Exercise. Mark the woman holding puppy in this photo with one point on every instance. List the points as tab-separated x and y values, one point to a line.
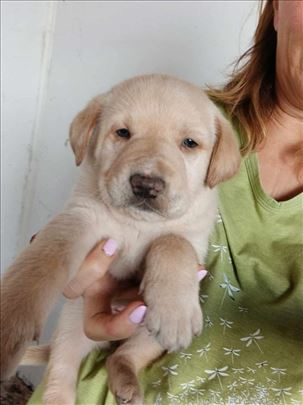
250	350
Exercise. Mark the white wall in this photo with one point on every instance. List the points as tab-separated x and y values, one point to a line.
57	55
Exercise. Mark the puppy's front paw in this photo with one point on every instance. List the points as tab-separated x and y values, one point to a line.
173	322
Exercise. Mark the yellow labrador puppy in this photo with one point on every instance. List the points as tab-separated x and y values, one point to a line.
151	150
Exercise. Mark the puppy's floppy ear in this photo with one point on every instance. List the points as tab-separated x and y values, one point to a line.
83	126
226	158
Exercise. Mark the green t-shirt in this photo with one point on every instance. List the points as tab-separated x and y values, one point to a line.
251	349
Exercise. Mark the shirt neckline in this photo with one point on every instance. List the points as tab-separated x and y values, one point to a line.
251	163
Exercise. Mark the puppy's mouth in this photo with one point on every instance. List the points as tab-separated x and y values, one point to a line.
145	204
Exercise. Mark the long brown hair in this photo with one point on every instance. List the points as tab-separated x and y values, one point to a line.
249	96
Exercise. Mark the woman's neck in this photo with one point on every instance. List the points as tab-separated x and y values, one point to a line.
289	103
287	121
281	154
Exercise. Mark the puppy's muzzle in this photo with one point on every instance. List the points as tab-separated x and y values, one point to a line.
146	186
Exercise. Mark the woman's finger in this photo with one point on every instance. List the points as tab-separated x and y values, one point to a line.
108	326
100	321
202	272
93	268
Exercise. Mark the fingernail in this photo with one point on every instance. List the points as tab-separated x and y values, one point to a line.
202	274
138	314
110	247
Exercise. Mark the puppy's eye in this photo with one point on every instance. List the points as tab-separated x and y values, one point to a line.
189	143
123	133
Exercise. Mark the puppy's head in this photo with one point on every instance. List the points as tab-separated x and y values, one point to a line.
155	143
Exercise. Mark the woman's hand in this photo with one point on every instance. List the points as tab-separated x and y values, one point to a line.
104	320
112	310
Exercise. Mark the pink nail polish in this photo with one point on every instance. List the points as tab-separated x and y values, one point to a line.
202	274
138	314
110	247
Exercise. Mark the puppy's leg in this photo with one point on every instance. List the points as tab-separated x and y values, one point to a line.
125	363
171	291
32	283
68	348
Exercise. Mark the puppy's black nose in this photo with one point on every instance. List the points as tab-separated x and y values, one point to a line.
146	186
